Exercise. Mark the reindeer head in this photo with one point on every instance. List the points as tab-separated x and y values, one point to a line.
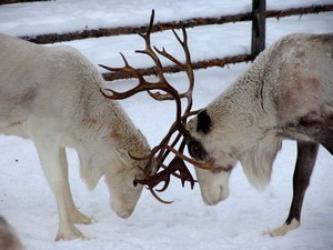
207	145
120	180
227	135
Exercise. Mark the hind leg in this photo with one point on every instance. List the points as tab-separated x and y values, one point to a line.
306	158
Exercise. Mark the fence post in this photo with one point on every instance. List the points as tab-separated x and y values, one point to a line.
258	26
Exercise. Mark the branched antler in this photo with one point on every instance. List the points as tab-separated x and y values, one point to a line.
159	153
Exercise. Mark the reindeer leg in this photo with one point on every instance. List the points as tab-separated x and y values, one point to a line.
306	158
76	216
52	161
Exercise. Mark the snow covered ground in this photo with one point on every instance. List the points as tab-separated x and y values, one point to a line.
65	15
237	223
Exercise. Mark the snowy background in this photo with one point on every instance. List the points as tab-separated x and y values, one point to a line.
237	223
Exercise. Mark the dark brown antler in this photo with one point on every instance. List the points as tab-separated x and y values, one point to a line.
160	152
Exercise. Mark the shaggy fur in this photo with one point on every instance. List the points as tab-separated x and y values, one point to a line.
286	93
52	96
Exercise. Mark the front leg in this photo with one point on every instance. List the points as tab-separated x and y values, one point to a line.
54	164
76	216
306	158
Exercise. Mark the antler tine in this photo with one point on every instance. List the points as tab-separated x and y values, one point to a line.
167	55
158	96
142	84
202	165
125	60
150	52
115	95
146	36
164	176
184	45
187	66
126	66
158	198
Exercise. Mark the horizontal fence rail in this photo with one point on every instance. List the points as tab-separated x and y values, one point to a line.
20	1
189	23
221	62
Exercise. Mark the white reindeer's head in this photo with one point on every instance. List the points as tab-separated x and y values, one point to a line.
124	192
114	163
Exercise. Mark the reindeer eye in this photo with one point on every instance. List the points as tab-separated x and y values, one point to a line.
195	149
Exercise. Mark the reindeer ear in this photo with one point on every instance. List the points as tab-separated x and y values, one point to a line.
257	162
204	122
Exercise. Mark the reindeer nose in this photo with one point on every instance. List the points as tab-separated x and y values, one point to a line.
121	210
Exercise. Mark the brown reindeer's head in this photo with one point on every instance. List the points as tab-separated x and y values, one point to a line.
214	183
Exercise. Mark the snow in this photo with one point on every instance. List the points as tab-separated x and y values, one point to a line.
65	16
238	222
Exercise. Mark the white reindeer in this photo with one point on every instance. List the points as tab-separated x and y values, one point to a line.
286	94
52	95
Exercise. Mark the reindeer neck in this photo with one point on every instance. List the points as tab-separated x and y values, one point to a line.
105	122
245	112
103	138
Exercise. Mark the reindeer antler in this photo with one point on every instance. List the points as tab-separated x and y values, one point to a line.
166	146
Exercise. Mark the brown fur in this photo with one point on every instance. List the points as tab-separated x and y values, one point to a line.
8	239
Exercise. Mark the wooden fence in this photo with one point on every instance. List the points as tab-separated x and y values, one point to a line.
258	17
20	1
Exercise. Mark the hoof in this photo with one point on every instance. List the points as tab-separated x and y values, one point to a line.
80	218
71	233
284	229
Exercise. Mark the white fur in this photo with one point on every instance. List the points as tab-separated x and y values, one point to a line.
257	162
213	188
52	96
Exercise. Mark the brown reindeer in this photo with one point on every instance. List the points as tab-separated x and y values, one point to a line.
286	94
